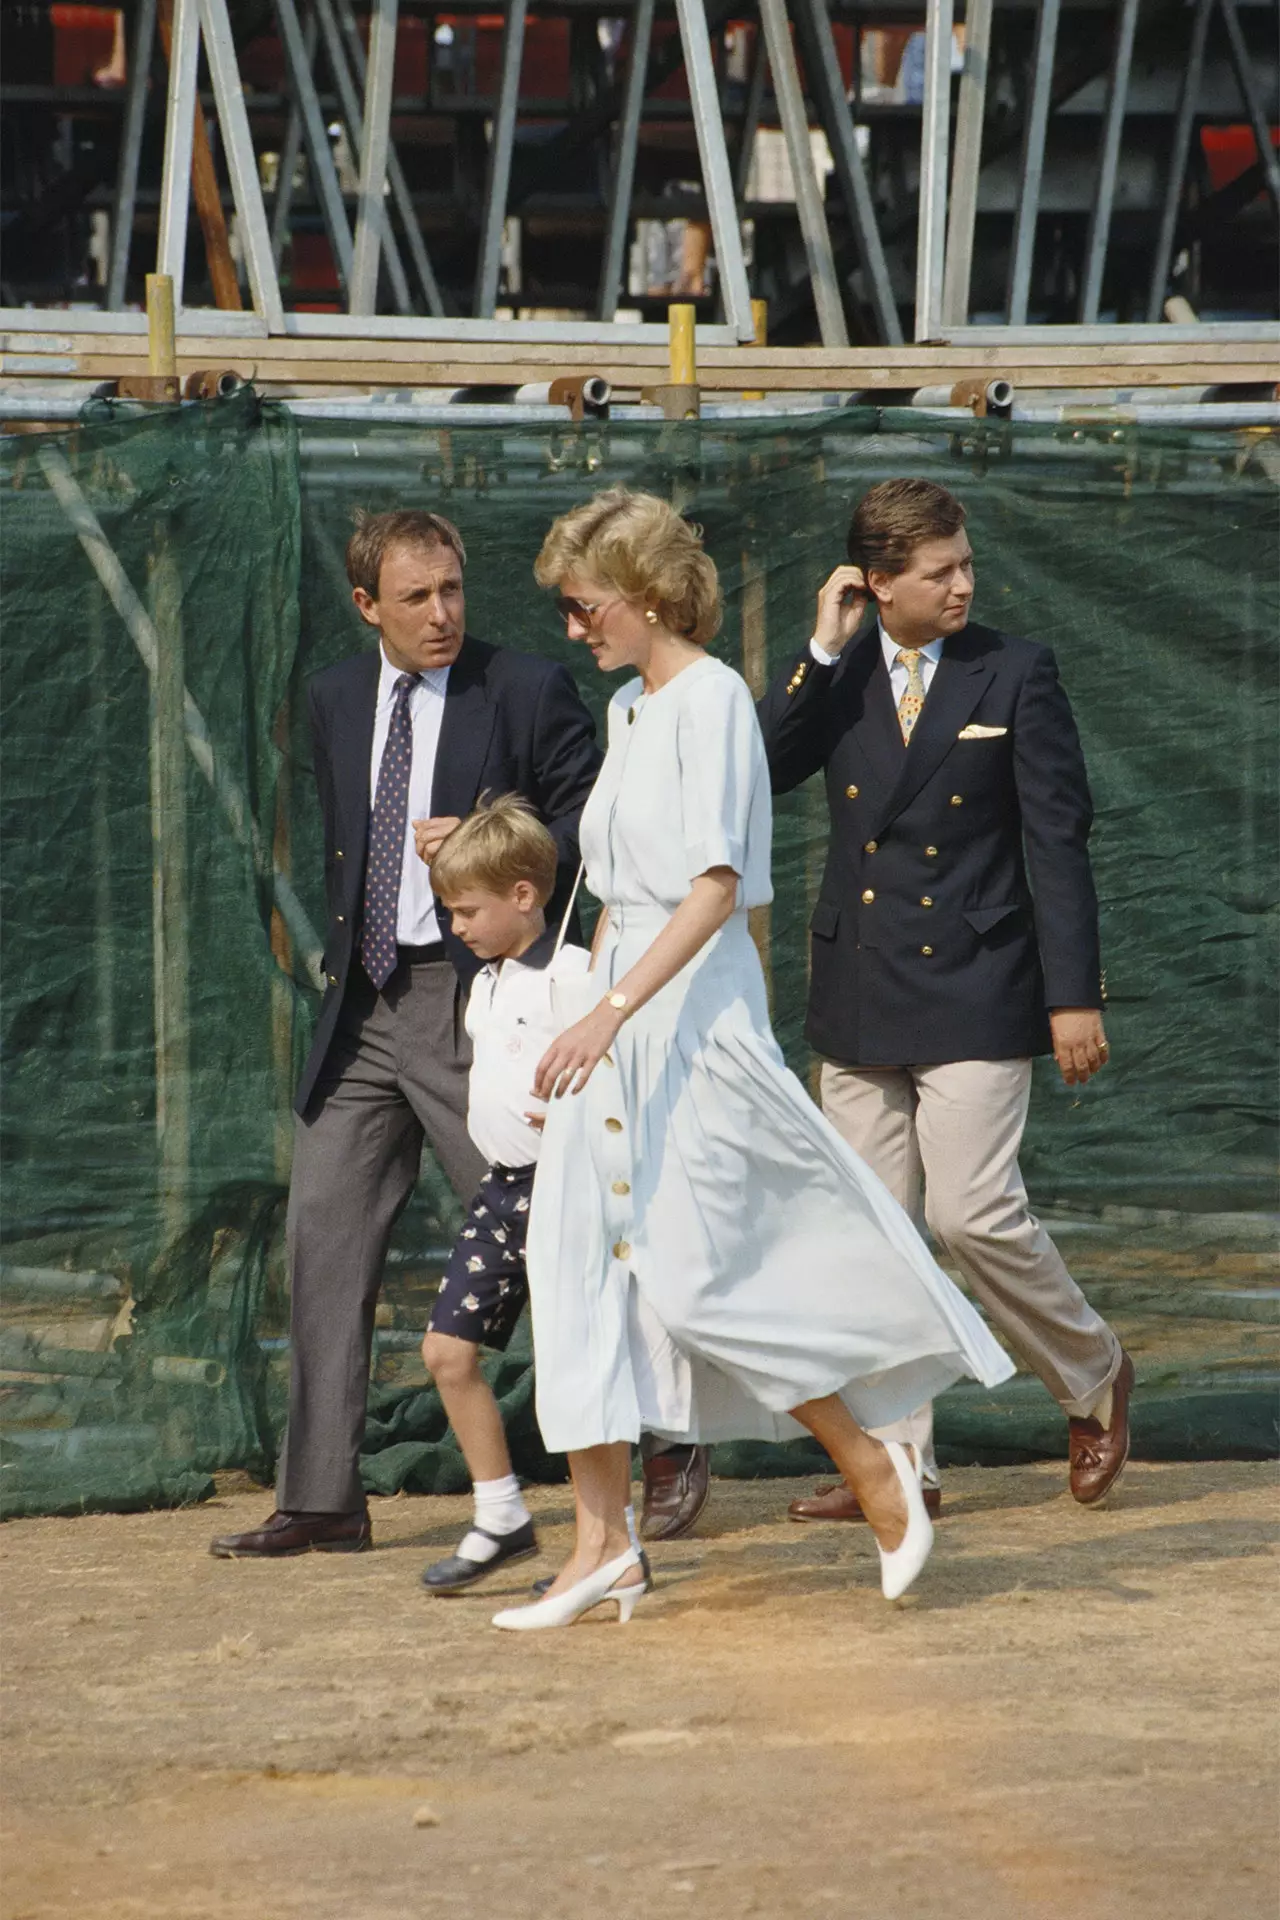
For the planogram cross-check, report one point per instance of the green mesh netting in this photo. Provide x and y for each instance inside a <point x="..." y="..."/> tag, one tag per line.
<point x="169" y="583"/>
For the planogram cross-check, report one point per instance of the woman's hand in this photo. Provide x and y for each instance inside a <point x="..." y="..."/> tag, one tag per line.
<point x="569" y="1062"/>
<point x="842" y="601"/>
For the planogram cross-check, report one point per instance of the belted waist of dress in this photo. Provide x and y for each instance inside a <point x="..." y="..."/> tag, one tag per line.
<point x="650" y="917"/>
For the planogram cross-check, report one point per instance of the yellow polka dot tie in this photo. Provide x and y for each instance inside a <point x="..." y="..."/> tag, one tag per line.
<point x="913" y="699"/>
<point x="386" y="841"/>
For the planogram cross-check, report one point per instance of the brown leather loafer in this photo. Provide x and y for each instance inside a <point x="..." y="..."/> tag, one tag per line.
<point x="1098" y="1453"/>
<point x="676" y="1485"/>
<point x="286" y="1533"/>
<point x="838" y="1503"/>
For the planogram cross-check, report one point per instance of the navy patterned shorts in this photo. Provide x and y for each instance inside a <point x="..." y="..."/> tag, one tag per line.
<point x="484" y="1288"/>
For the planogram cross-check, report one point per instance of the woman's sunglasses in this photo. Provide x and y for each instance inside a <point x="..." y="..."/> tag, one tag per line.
<point x="584" y="610"/>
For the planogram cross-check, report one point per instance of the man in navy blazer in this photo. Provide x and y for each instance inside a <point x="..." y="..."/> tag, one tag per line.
<point x="955" y="933"/>
<point x="406" y="739"/>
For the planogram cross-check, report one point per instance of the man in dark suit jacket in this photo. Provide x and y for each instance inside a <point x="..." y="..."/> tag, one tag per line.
<point x="955" y="933"/>
<point x="406" y="738"/>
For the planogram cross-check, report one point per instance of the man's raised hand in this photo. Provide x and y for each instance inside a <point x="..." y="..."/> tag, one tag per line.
<point x="430" y="835"/>
<point x="842" y="601"/>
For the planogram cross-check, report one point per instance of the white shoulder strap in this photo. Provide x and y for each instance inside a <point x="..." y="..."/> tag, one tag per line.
<point x="568" y="912"/>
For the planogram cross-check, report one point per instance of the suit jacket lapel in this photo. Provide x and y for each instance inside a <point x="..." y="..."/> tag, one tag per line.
<point x="465" y="731"/>
<point x="352" y="738"/>
<point x="955" y="690"/>
<point x="873" y="730"/>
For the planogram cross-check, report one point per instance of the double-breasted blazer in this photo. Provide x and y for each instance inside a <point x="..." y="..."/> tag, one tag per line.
<point x="957" y="905"/>
<point x="512" y="723"/>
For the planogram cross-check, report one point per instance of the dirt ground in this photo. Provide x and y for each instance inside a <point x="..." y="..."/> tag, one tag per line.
<point x="1075" y="1714"/>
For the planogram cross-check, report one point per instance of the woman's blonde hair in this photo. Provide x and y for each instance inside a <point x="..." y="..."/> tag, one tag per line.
<point x="639" y="545"/>
<point x="502" y="842"/>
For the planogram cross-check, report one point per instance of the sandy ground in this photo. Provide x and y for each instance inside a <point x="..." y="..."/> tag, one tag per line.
<point x="1074" y="1714"/>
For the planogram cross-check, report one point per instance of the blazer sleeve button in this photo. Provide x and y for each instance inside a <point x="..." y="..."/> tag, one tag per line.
<point x="926" y="951"/>
<point x="851" y="793"/>
<point x="957" y="800"/>
<point x="867" y="897"/>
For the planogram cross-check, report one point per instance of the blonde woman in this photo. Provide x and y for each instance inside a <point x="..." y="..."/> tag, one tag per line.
<point x="707" y="1259"/>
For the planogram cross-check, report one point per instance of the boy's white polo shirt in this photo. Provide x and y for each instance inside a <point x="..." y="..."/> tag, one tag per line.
<point x="512" y="1022"/>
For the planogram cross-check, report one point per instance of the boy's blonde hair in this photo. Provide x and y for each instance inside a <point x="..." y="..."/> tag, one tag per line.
<point x="638" y="544"/>
<point x="501" y="842"/>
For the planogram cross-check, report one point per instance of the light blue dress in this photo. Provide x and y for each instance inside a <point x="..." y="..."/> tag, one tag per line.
<point x="704" y="1251"/>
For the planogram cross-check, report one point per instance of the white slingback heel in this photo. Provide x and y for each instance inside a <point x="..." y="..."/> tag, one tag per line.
<point x="901" y="1567"/>
<point x="562" y="1609"/>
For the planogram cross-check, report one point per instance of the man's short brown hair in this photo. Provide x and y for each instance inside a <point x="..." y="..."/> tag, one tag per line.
<point x="891" y="521"/>
<point x="501" y="842"/>
<point x="377" y="533"/>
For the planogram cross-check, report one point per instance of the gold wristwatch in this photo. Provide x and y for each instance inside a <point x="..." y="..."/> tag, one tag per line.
<point x="619" y="1001"/>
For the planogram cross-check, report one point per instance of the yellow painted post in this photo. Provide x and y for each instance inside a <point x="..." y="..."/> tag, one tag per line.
<point x="682" y="346"/>
<point x="760" y="321"/>
<point x="162" y="343"/>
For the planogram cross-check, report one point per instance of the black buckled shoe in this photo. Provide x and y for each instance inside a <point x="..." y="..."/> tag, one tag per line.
<point x="451" y="1575"/>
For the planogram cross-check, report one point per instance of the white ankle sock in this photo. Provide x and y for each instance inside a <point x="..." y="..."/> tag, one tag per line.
<point x="632" y="1535"/>
<point x="498" y="1509"/>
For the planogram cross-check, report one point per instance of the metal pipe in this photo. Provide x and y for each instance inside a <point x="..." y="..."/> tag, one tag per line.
<point x="358" y="65"/>
<point x="324" y="174"/>
<point x="750" y="125"/>
<point x="1108" y="162"/>
<point x="501" y="146"/>
<point x="1240" y="60"/>
<point x="717" y="181"/>
<point x="290" y="148"/>
<point x="826" y="80"/>
<point x="370" y="212"/>
<point x="144" y="34"/>
<point x="179" y="131"/>
<point x="624" y="159"/>
<point x="931" y="231"/>
<point x="237" y="145"/>
<point x="1033" y="144"/>
<point x="1178" y="153"/>
<point x="970" y="109"/>
<point x="353" y="114"/>
<point x="52" y="1283"/>
<point x="809" y="206"/>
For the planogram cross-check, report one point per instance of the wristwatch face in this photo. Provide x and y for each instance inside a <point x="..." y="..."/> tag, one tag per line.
<point x="618" y="1000"/>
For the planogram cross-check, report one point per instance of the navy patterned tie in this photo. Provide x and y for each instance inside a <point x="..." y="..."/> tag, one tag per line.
<point x="386" y="841"/>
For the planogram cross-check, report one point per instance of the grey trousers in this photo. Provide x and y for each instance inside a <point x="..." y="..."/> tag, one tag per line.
<point x="945" y="1142"/>
<point x="397" y="1072"/>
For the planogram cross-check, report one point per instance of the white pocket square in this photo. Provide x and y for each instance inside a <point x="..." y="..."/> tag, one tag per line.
<point x="981" y="733"/>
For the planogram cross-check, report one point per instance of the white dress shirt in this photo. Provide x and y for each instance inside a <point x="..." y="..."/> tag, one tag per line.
<point x="930" y="654"/>
<point x="416" y="923"/>
<point x="512" y="1018"/>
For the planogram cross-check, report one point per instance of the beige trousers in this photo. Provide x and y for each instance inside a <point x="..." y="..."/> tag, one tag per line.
<point x="945" y="1142"/>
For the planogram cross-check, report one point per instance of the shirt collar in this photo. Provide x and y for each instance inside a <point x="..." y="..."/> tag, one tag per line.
<point x="436" y="679"/>
<point x="537" y="957"/>
<point x="932" y="649"/>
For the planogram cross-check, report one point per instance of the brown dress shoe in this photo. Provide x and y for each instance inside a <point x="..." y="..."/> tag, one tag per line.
<point x="676" y="1485"/>
<point x="286" y="1533"/>
<point x="1098" y="1453"/>
<point x="839" y="1503"/>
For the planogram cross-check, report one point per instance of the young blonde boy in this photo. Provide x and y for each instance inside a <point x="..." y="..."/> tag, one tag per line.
<point x="495" y="874"/>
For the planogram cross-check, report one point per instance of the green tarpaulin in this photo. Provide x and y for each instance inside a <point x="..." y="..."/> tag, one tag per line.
<point x="168" y="584"/>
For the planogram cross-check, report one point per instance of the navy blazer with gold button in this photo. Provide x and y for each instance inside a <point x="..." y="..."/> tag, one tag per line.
<point x="512" y="723"/>
<point x="957" y="905"/>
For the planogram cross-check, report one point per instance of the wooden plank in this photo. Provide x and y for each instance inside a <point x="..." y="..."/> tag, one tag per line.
<point x="626" y="376"/>
<point x="851" y="366"/>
